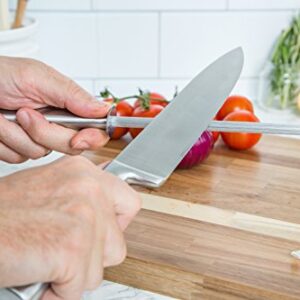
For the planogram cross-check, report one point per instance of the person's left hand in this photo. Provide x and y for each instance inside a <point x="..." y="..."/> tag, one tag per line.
<point x="27" y="84"/>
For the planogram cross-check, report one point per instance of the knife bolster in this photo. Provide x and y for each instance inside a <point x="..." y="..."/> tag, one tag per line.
<point x="134" y="176"/>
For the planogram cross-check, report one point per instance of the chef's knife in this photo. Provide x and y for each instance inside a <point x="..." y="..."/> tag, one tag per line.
<point x="67" y="119"/>
<point x="154" y="154"/>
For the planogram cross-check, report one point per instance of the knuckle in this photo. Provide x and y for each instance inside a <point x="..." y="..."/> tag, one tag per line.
<point x="84" y="210"/>
<point x="76" y="165"/>
<point x="27" y="71"/>
<point x="36" y="131"/>
<point x="78" y="239"/>
<point x="78" y="161"/>
<point x="73" y="88"/>
<point x="88" y="188"/>
<point x="73" y="249"/>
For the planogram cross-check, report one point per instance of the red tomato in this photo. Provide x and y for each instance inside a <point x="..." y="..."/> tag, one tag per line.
<point x="241" y="141"/>
<point x="234" y="103"/>
<point x="154" y="98"/>
<point x="215" y="135"/>
<point x="123" y="109"/>
<point x="145" y="113"/>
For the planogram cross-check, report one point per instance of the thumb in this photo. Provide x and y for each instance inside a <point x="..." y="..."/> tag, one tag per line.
<point x="60" y="91"/>
<point x="81" y="103"/>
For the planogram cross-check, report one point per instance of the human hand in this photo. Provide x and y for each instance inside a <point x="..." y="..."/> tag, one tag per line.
<point x="27" y="84"/>
<point x="63" y="223"/>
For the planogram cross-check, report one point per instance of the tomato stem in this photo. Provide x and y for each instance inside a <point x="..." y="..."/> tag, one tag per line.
<point x="143" y="97"/>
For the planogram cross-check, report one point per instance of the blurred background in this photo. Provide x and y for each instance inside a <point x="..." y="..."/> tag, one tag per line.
<point x="155" y="45"/>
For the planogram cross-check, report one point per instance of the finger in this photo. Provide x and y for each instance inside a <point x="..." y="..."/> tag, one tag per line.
<point x="95" y="268"/>
<point x="12" y="135"/>
<point x="115" y="245"/>
<point x="94" y="275"/>
<point x="49" y="135"/>
<point x="89" y="138"/>
<point x="107" y="226"/>
<point x="60" y="91"/>
<point x="10" y="156"/>
<point x="127" y="201"/>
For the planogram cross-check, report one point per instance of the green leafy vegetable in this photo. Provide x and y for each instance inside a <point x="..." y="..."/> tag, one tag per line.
<point x="286" y="65"/>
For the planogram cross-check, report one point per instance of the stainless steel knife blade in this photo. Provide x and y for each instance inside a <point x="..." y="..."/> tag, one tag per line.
<point x="154" y="154"/>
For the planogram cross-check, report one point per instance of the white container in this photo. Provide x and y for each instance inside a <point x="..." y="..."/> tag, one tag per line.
<point x="20" y="42"/>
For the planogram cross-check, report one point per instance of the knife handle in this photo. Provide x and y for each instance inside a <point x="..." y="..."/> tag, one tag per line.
<point x="30" y="292"/>
<point x="69" y="120"/>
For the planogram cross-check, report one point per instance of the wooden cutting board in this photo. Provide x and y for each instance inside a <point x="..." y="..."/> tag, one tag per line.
<point x="222" y="230"/>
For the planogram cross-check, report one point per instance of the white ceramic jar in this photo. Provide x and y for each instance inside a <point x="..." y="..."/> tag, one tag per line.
<point x="20" y="42"/>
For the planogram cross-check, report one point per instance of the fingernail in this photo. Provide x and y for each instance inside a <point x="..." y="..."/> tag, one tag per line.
<point x="25" y="119"/>
<point x="81" y="145"/>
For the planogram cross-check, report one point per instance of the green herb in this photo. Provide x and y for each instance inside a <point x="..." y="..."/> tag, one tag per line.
<point x="286" y="65"/>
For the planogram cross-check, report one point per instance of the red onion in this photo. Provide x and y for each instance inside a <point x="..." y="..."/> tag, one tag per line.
<point x="198" y="152"/>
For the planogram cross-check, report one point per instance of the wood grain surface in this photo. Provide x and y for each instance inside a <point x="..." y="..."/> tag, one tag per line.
<point x="222" y="230"/>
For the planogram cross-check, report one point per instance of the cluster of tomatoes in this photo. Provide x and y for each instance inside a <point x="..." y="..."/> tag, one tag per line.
<point x="149" y="104"/>
<point x="146" y="105"/>
<point x="237" y="108"/>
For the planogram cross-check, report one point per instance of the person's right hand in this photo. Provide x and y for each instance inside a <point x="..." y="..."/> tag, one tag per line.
<point x="63" y="223"/>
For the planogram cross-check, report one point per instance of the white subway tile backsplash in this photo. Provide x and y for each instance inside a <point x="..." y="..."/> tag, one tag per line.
<point x="128" y="44"/>
<point x="68" y="42"/>
<point x="155" y="44"/>
<point x="158" y="4"/>
<point x="246" y="87"/>
<point x="55" y="4"/>
<point x="189" y="41"/>
<point x="88" y="85"/>
<point x="264" y="4"/>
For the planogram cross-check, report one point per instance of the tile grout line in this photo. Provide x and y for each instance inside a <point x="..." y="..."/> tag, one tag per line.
<point x="159" y="46"/>
<point x="98" y="47"/>
<point x="94" y="87"/>
<point x="179" y="11"/>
